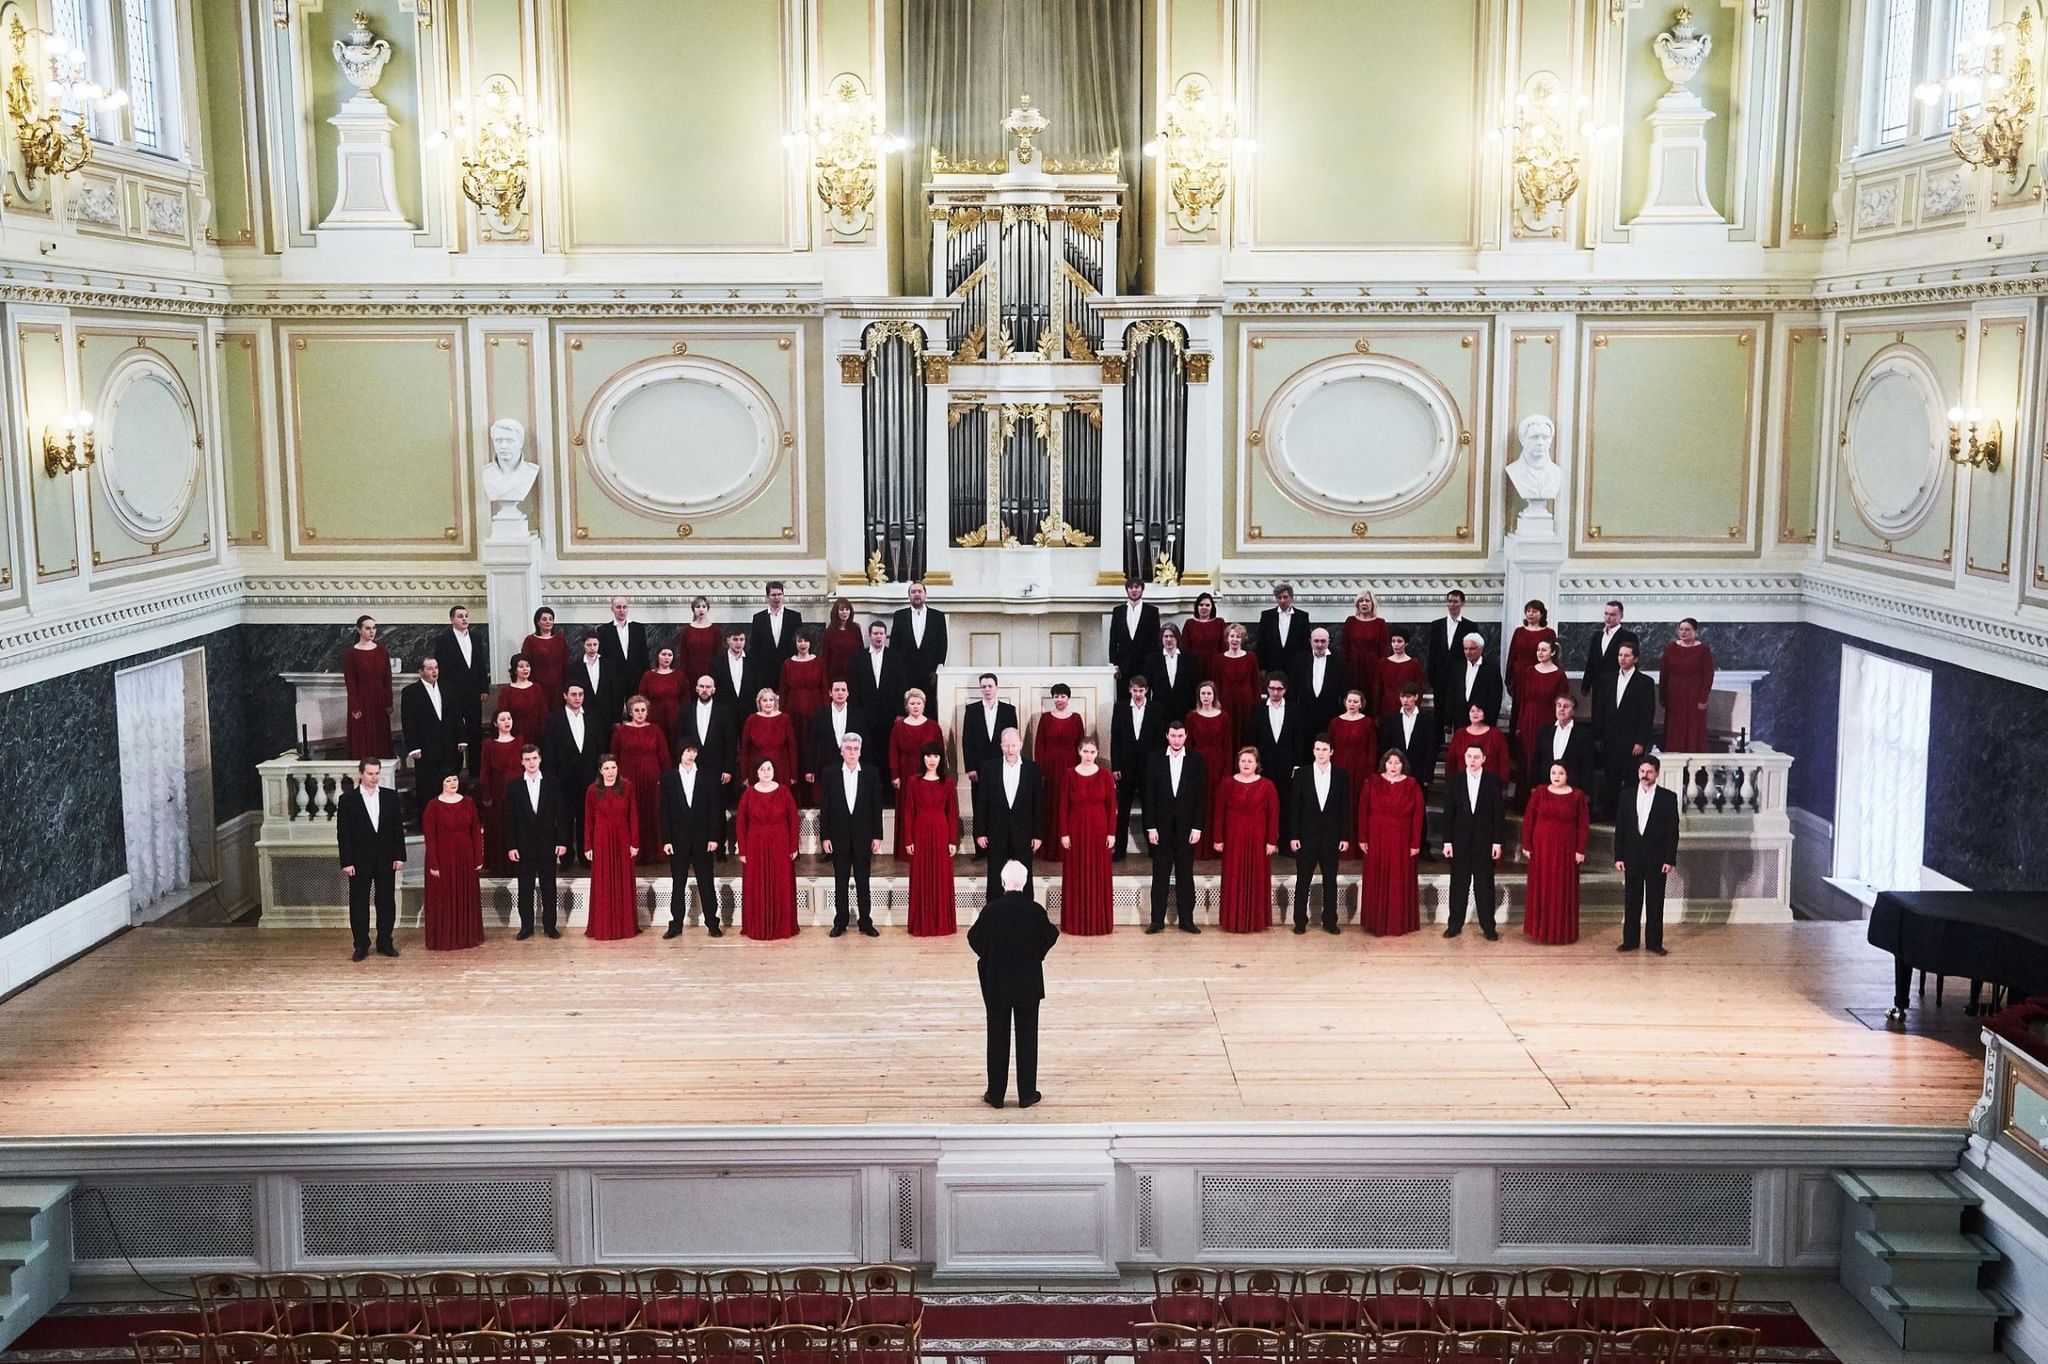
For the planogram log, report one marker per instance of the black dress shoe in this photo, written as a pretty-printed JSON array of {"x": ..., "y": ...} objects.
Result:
[
  {"x": 992, "y": 1100},
  {"x": 1331, "y": 929},
  {"x": 1155, "y": 928},
  {"x": 551, "y": 931},
  {"x": 1301, "y": 928},
  {"x": 838, "y": 931},
  {"x": 1190, "y": 928},
  {"x": 360, "y": 954},
  {"x": 385, "y": 949},
  {"x": 1452, "y": 932},
  {"x": 1027, "y": 1100},
  {"x": 1660, "y": 951},
  {"x": 1492, "y": 934},
  {"x": 523, "y": 934},
  {"x": 675, "y": 930},
  {"x": 714, "y": 930},
  {"x": 1625, "y": 947},
  {"x": 870, "y": 931}
]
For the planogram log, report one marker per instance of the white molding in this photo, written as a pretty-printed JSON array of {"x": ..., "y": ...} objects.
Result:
[
  {"x": 63, "y": 933},
  {"x": 234, "y": 860}
]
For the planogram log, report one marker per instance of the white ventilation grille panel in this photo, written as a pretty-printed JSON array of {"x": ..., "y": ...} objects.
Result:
[
  {"x": 1325, "y": 1213},
  {"x": 114, "y": 1222},
  {"x": 1633, "y": 1208},
  {"x": 485, "y": 1219}
]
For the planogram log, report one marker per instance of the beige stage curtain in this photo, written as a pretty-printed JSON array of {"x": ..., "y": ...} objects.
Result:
[{"x": 967, "y": 61}]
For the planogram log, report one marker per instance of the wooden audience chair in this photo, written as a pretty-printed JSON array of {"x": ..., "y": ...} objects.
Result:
[
  {"x": 232, "y": 1302},
  {"x": 1257, "y": 1298},
  {"x": 813, "y": 1295},
  {"x": 1327, "y": 1300},
  {"x": 1334, "y": 1347},
  {"x": 878, "y": 1344},
  {"x": 1167, "y": 1342},
  {"x": 886, "y": 1295},
  {"x": 645, "y": 1345},
  {"x": 1471, "y": 1300},
  {"x": 1434, "y": 1346},
  {"x": 563, "y": 1346},
  {"x": 1643, "y": 1345},
  {"x": 451, "y": 1301},
  {"x": 165, "y": 1347},
  {"x": 305, "y": 1304},
  {"x": 720, "y": 1345},
  {"x": 672, "y": 1299},
  {"x": 478, "y": 1347},
  {"x": 742, "y": 1298},
  {"x": 1547, "y": 1298},
  {"x": 396, "y": 1348},
  {"x": 1717, "y": 1345},
  {"x": 599, "y": 1299},
  {"x": 379, "y": 1304},
  {"x": 243, "y": 1347},
  {"x": 803, "y": 1344},
  {"x": 1572, "y": 1345},
  {"x": 524, "y": 1300},
  {"x": 1622, "y": 1300},
  {"x": 1397, "y": 1298},
  {"x": 319, "y": 1347},
  {"x": 1697, "y": 1297},
  {"x": 1495, "y": 1345},
  {"x": 1189, "y": 1295},
  {"x": 1240, "y": 1343}
]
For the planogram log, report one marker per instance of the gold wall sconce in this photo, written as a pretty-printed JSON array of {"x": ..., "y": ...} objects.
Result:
[
  {"x": 71, "y": 451},
  {"x": 1543, "y": 151},
  {"x": 1198, "y": 143},
  {"x": 1994, "y": 90},
  {"x": 1967, "y": 446},
  {"x": 846, "y": 143},
  {"x": 53, "y": 143},
  {"x": 493, "y": 143}
]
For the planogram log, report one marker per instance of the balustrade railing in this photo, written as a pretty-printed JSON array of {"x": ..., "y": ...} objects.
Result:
[
  {"x": 1752, "y": 782},
  {"x": 301, "y": 795}
]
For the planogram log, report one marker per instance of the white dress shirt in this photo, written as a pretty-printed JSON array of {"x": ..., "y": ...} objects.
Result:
[
  {"x": 736, "y": 665},
  {"x": 849, "y": 782},
  {"x": 1643, "y": 802},
  {"x": 703, "y": 721},
  {"x": 1282, "y": 619},
  {"x": 988, "y": 717},
  {"x": 1322, "y": 776},
  {"x": 1133, "y": 610},
  {"x": 1318, "y": 664},
  {"x": 1560, "y": 739},
  {"x": 1472, "y": 674},
  {"x": 688, "y": 776},
  {"x": 575, "y": 719},
  {"x": 462, "y": 643},
  {"x": 1607, "y": 634},
  {"x": 1408, "y": 719},
  {"x": 1621, "y": 681},
  {"x": 1276, "y": 717},
  {"x": 1174, "y": 759},
  {"x": 1472, "y": 788},
  {"x": 1013, "y": 772},
  {"x": 533, "y": 790},
  {"x": 590, "y": 666},
  {"x": 875, "y": 657},
  {"x": 1137, "y": 722},
  {"x": 917, "y": 625},
  {"x": 372, "y": 802},
  {"x": 840, "y": 716},
  {"x": 433, "y": 694},
  {"x": 1170, "y": 660},
  {"x": 775, "y": 626},
  {"x": 625, "y": 631}
]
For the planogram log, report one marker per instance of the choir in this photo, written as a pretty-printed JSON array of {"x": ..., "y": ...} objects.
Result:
[{"x": 622, "y": 759}]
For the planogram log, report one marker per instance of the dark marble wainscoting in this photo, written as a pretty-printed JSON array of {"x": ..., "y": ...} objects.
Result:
[{"x": 273, "y": 650}]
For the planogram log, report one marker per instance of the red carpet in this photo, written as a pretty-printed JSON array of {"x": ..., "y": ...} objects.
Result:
[{"x": 1023, "y": 1328}]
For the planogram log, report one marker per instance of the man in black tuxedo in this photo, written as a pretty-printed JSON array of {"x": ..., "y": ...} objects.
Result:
[
  {"x": 1283, "y": 633},
  {"x": 850, "y": 831},
  {"x": 1275, "y": 729},
  {"x": 1414, "y": 733},
  {"x": 1563, "y": 740},
  {"x": 1133, "y": 633},
  {"x": 465, "y": 678},
  {"x": 982, "y": 723},
  {"x": 536, "y": 837},
  {"x": 772, "y": 636},
  {"x": 1600, "y": 662},
  {"x": 737, "y": 675},
  {"x": 712, "y": 724},
  {"x": 1007, "y": 804},
  {"x": 1322, "y": 831},
  {"x": 1010, "y": 939},
  {"x": 1319, "y": 683},
  {"x": 918, "y": 639},
  {"x": 692, "y": 828},
  {"x": 1176, "y": 792},
  {"x": 571, "y": 749},
  {"x": 829, "y": 727},
  {"x": 1443, "y": 652},
  {"x": 625, "y": 647},
  {"x": 875, "y": 681},
  {"x": 1625, "y": 709},
  {"x": 371, "y": 834},
  {"x": 433, "y": 742},
  {"x": 1171, "y": 675},
  {"x": 1645, "y": 850},
  {"x": 1473, "y": 681},
  {"x": 1137, "y": 730},
  {"x": 602, "y": 681},
  {"x": 1474, "y": 825}
]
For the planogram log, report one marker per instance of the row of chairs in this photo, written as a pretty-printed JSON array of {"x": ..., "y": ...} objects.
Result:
[
  {"x": 521, "y": 1302},
  {"x": 1164, "y": 1343},
  {"x": 1424, "y": 1298},
  {"x": 704, "y": 1345}
]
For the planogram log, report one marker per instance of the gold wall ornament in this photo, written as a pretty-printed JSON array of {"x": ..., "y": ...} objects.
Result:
[
  {"x": 493, "y": 144},
  {"x": 71, "y": 451},
  {"x": 1198, "y": 367},
  {"x": 847, "y": 143},
  {"x": 1541, "y": 150},
  {"x": 979, "y": 538},
  {"x": 1077, "y": 343},
  {"x": 1024, "y": 124},
  {"x": 52, "y": 142},
  {"x": 1110, "y": 162},
  {"x": 853, "y": 369},
  {"x": 1054, "y": 531},
  {"x": 877, "y": 573},
  {"x": 879, "y": 334},
  {"x": 1198, "y": 143},
  {"x": 1967, "y": 447},
  {"x": 969, "y": 350},
  {"x": 1994, "y": 90},
  {"x": 938, "y": 369},
  {"x": 1165, "y": 573},
  {"x": 941, "y": 164},
  {"x": 1112, "y": 369},
  {"x": 1157, "y": 329}
]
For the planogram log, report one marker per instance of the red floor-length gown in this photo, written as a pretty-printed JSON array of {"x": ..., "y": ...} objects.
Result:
[
  {"x": 1247, "y": 818},
  {"x": 529, "y": 707},
  {"x": 1056, "y": 749},
  {"x": 1087, "y": 902},
  {"x": 697, "y": 648},
  {"x": 1237, "y": 687},
  {"x": 611, "y": 830},
  {"x": 549, "y": 655},
  {"x": 839, "y": 647},
  {"x": 1553, "y": 831},
  {"x": 1522, "y": 650},
  {"x": 803, "y": 695},
  {"x": 664, "y": 693},
  {"x": 932, "y": 810},
  {"x": 1492, "y": 743},
  {"x": 1389, "y": 828},
  {"x": 1392, "y": 674},
  {"x": 496, "y": 769},
  {"x": 642, "y": 751},
  {"x": 454, "y": 914},
  {"x": 1355, "y": 747},
  {"x": 767, "y": 831},
  {"x": 1686, "y": 678},
  {"x": 906, "y": 760},
  {"x": 772, "y": 737},
  {"x": 1536, "y": 696},
  {"x": 1203, "y": 641},
  {"x": 1364, "y": 645},
  {"x": 1215, "y": 738},
  {"x": 366, "y": 675}
]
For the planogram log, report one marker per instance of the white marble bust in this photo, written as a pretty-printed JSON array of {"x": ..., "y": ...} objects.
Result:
[
  {"x": 1535, "y": 474},
  {"x": 508, "y": 474}
]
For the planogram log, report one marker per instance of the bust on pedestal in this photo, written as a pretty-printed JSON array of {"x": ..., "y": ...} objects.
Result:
[
  {"x": 511, "y": 551},
  {"x": 1534, "y": 551}
]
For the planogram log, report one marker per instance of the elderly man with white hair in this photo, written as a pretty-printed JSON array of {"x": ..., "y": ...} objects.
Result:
[
  {"x": 850, "y": 831},
  {"x": 1010, "y": 940},
  {"x": 1477, "y": 682}
]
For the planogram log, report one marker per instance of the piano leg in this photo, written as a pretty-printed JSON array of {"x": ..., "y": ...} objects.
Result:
[{"x": 1902, "y": 984}]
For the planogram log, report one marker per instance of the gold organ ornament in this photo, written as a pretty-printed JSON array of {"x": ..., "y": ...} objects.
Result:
[
  {"x": 1993, "y": 91},
  {"x": 846, "y": 143},
  {"x": 73, "y": 450},
  {"x": 1966, "y": 446},
  {"x": 53, "y": 142},
  {"x": 494, "y": 143},
  {"x": 1198, "y": 142}
]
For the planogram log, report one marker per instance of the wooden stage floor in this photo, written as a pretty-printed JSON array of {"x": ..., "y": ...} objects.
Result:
[{"x": 215, "y": 1030}]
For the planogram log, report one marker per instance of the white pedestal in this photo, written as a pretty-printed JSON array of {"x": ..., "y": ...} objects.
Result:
[
  {"x": 511, "y": 560},
  {"x": 1678, "y": 162},
  {"x": 368, "y": 197},
  {"x": 1534, "y": 553}
]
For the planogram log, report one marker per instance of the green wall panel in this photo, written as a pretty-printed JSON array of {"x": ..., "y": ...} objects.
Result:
[
  {"x": 496, "y": 45},
  {"x": 399, "y": 90},
  {"x": 1819, "y": 131},
  {"x": 243, "y": 455},
  {"x": 46, "y": 398},
  {"x": 1799, "y": 490},
  {"x": 223, "y": 84},
  {"x": 844, "y": 40}
]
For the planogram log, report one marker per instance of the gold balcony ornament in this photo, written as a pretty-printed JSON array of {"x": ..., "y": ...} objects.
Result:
[
  {"x": 1544, "y": 150},
  {"x": 71, "y": 451},
  {"x": 1994, "y": 91},
  {"x": 53, "y": 143},
  {"x": 494, "y": 143},
  {"x": 846, "y": 145},
  {"x": 1199, "y": 144},
  {"x": 1966, "y": 446}
]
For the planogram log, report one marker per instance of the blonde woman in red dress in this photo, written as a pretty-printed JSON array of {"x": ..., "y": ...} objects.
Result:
[
  {"x": 1354, "y": 742},
  {"x": 803, "y": 695},
  {"x": 1487, "y": 739},
  {"x": 1536, "y": 692},
  {"x": 907, "y": 738},
  {"x": 366, "y": 677},
  {"x": 642, "y": 750},
  {"x": 1088, "y": 829},
  {"x": 766, "y": 832},
  {"x": 1363, "y": 643},
  {"x": 1390, "y": 837},
  {"x": 1554, "y": 841},
  {"x": 663, "y": 685},
  {"x": 454, "y": 915},
  {"x": 698, "y": 644},
  {"x": 1396, "y": 670},
  {"x": 496, "y": 769},
  {"x": 769, "y": 734},
  {"x": 843, "y": 641},
  {"x": 1247, "y": 820},
  {"x": 1685, "y": 677},
  {"x": 931, "y": 806},
  {"x": 611, "y": 840},
  {"x": 1202, "y": 638},
  {"x": 526, "y": 699},
  {"x": 1236, "y": 674},
  {"x": 1056, "y": 748},
  {"x": 548, "y": 652}
]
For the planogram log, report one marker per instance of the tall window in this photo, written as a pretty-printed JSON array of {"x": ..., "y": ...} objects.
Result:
[
  {"x": 71, "y": 23},
  {"x": 1969, "y": 18},
  {"x": 1895, "y": 62},
  {"x": 1881, "y": 784},
  {"x": 139, "y": 28}
]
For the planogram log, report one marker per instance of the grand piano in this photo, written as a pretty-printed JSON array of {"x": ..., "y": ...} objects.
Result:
[{"x": 2000, "y": 937}]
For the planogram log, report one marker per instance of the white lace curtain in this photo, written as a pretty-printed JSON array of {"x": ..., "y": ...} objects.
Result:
[
  {"x": 1882, "y": 811},
  {"x": 150, "y": 719}
]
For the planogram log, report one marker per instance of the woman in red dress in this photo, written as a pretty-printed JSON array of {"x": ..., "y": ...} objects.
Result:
[
  {"x": 1364, "y": 644},
  {"x": 1354, "y": 742},
  {"x": 611, "y": 840},
  {"x": 1686, "y": 679},
  {"x": 1247, "y": 820},
  {"x": 1212, "y": 732},
  {"x": 768, "y": 734},
  {"x": 641, "y": 747},
  {"x": 842, "y": 640},
  {"x": 1236, "y": 675},
  {"x": 1056, "y": 749},
  {"x": 803, "y": 695},
  {"x": 454, "y": 914},
  {"x": 912, "y": 731},
  {"x": 1534, "y": 629},
  {"x": 527, "y": 700},
  {"x": 366, "y": 676},
  {"x": 1389, "y": 838},
  {"x": 1088, "y": 830},
  {"x": 664, "y": 685},
  {"x": 766, "y": 830},
  {"x": 697, "y": 644},
  {"x": 1202, "y": 638},
  {"x": 497, "y": 769},
  {"x": 1487, "y": 739},
  {"x": 548, "y": 652},
  {"x": 1396, "y": 670},
  {"x": 1537, "y": 688},
  {"x": 932, "y": 810},
  {"x": 1554, "y": 840}
]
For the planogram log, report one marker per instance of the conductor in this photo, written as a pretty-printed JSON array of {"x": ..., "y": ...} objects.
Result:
[{"x": 1010, "y": 939}]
